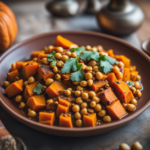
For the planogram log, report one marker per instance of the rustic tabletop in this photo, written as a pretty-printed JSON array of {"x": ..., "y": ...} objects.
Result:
[{"x": 33, "y": 19}]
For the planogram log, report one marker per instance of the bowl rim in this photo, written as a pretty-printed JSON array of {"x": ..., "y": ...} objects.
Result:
[{"x": 37, "y": 124}]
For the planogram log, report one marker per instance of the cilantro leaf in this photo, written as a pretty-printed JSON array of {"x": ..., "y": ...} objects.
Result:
[
  {"x": 105, "y": 66},
  {"x": 77, "y": 76},
  {"x": 130, "y": 84},
  {"x": 87, "y": 55},
  {"x": 54, "y": 63},
  {"x": 79, "y": 66},
  {"x": 38, "y": 89},
  {"x": 112, "y": 61},
  {"x": 78, "y": 50},
  {"x": 51, "y": 56},
  {"x": 70, "y": 64},
  {"x": 50, "y": 59}
]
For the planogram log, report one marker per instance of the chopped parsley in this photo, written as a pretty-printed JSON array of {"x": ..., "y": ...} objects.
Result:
[
  {"x": 78, "y": 50},
  {"x": 130, "y": 84},
  {"x": 51, "y": 57},
  {"x": 87, "y": 55},
  {"x": 38, "y": 89}
]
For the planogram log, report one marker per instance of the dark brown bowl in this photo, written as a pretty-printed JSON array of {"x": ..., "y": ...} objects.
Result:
[{"x": 23, "y": 50}]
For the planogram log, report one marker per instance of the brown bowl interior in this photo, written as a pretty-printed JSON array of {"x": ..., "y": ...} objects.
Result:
[{"x": 23, "y": 50}]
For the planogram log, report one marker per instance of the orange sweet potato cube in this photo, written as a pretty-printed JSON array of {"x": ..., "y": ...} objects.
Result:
[
  {"x": 64, "y": 102},
  {"x": 65, "y": 121},
  {"x": 42, "y": 55},
  {"x": 111, "y": 78},
  {"x": 29, "y": 69},
  {"x": 122, "y": 91},
  {"x": 116, "y": 110},
  {"x": 36, "y": 53},
  {"x": 97, "y": 85},
  {"x": 44, "y": 72},
  {"x": 134, "y": 75},
  {"x": 66, "y": 76},
  {"x": 47, "y": 118},
  {"x": 19, "y": 65},
  {"x": 61, "y": 109},
  {"x": 89, "y": 120},
  {"x": 54, "y": 89},
  {"x": 28, "y": 92},
  {"x": 132, "y": 68},
  {"x": 126, "y": 75},
  {"x": 36, "y": 102},
  {"x": 124, "y": 59},
  {"x": 12, "y": 75},
  {"x": 14, "y": 88},
  {"x": 107, "y": 96},
  {"x": 110, "y": 53}
]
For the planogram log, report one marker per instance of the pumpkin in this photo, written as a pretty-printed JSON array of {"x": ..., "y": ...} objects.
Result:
[{"x": 8, "y": 26}]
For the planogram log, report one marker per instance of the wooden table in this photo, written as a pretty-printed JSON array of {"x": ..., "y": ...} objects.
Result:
[{"x": 33, "y": 19}]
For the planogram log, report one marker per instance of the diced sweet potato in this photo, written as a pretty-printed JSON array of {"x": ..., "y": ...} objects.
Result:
[
  {"x": 110, "y": 53},
  {"x": 36, "y": 53},
  {"x": 54, "y": 89},
  {"x": 47, "y": 118},
  {"x": 126, "y": 75},
  {"x": 65, "y": 121},
  {"x": 13, "y": 67},
  {"x": 12, "y": 75},
  {"x": 124, "y": 59},
  {"x": 14, "y": 88},
  {"x": 111, "y": 78},
  {"x": 116, "y": 110},
  {"x": 64, "y": 102},
  {"x": 44, "y": 72},
  {"x": 66, "y": 76},
  {"x": 19, "y": 65},
  {"x": 123, "y": 92},
  {"x": 41, "y": 55},
  {"x": 107, "y": 96},
  {"x": 97, "y": 85},
  {"x": 132, "y": 68},
  {"x": 134, "y": 75},
  {"x": 65, "y": 43},
  {"x": 29, "y": 69},
  {"x": 61, "y": 109},
  {"x": 28, "y": 92},
  {"x": 89, "y": 120},
  {"x": 36, "y": 102}
]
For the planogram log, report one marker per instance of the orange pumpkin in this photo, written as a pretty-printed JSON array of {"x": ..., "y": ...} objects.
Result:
[{"x": 8, "y": 26}]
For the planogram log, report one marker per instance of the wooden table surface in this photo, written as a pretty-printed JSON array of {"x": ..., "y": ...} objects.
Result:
[{"x": 33, "y": 19}]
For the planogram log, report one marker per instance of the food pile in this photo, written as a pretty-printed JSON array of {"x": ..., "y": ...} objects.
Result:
[{"x": 71, "y": 86}]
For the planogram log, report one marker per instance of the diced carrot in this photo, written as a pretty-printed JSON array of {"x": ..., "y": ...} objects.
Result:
[
  {"x": 89, "y": 120},
  {"x": 13, "y": 67},
  {"x": 36, "y": 102},
  {"x": 44, "y": 72},
  {"x": 47, "y": 118},
  {"x": 12, "y": 75},
  {"x": 19, "y": 65},
  {"x": 65, "y": 121},
  {"x": 111, "y": 78},
  {"x": 123, "y": 92},
  {"x": 134, "y": 75},
  {"x": 28, "y": 92},
  {"x": 41, "y": 55},
  {"x": 107, "y": 96},
  {"x": 36, "y": 53},
  {"x": 64, "y": 102},
  {"x": 110, "y": 53},
  {"x": 97, "y": 85},
  {"x": 65, "y": 43},
  {"x": 14, "y": 88},
  {"x": 29, "y": 69},
  {"x": 124, "y": 59},
  {"x": 61, "y": 109},
  {"x": 116, "y": 110},
  {"x": 126, "y": 75},
  {"x": 54, "y": 89}
]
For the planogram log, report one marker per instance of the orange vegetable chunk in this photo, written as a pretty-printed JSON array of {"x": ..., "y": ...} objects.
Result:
[
  {"x": 42, "y": 55},
  {"x": 47, "y": 118},
  {"x": 116, "y": 110},
  {"x": 54, "y": 89},
  {"x": 134, "y": 75},
  {"x": 65, "y": 43},
  {"x": 64, "y": 102},
  {"x": 126, "y": 75},
  {"x": 97, "y": 85},
  {"x": 89, "y": 120},
  {"x": 124, "y": 59},
  {"x": 29, "y": 69},
  {"x": 35, "y": 53},
  {"x": 44, "y": 72},
  {"x": 61, "y": 109},
  {"x": 110, "y": 53},
  {"x": 132, "y": 68},
  {"x": 12, "y": 75},
  {"x": 14, "y": 88},
  {"x": 36, "y": 102},
  {"x": 19, "y": 65},
  {"x": 28, "y": 92},
  {"x": 107, "y": 96},
  {"x": 111, "y": 78},
  {"x": 122, "y": 91},
  {"x": 66, "y": 76},
  {"x": 65, "y": 121}
]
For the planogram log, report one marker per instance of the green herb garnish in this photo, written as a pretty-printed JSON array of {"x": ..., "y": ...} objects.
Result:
[
  {"x": 87, "y": 55},
  {"x": 78, "y": 50},
  {"x": 130, "y": 84},
  {"x": 51, "y": 57},
  {"x": 38, "y": 89}
]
